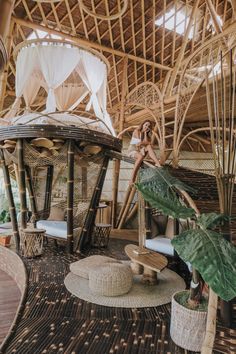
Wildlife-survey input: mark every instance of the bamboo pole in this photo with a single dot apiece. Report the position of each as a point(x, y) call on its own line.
point(126, 207)
point(211, 324)
point(22, 184)
point(70, 195)
point(11, 202)
point(32, 199)
point(115, 188)
point(182, 49)
point(3, 76)
point(124, 204)
point(48, 191)
point(148, 217)
point(141, 220)
point(116, 163)
point(85, 237)
point(84, 173)
point(132, 212)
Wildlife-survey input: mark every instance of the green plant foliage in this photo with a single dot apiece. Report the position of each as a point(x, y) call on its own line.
point(158, 187)
point(211, 220)
point(159, 179)
point(212, 256)
point(167, 203)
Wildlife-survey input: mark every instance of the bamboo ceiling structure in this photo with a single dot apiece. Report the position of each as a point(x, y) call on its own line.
point(137, 49)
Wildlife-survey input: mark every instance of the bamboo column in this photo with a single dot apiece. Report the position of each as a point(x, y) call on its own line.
point(126, 206)
point(85, 237)
point(70, 195)
point(48, 191)
point(141, 220)
point(222, 128)
point(6, 9)
point(32, 199)
point(115, 187)
point(84, 173)
point(11, 202)
point(148, 217)
point(22, 184)
point(3, 76)
point(116, 163)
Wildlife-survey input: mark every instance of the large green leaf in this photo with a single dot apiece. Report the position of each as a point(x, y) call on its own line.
point(212, 256)
point(167, 203)
point(211, 220)
point(160, 178)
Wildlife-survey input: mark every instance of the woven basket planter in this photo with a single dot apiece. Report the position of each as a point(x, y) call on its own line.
point(188, 327)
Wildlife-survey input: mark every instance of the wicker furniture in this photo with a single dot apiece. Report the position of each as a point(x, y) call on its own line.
point(82, 267)
point(146, 262)
point(100, 236)
point(31, 242)
point(113, 279)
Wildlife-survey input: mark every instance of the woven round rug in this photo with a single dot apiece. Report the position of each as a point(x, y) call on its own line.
point(140, 295)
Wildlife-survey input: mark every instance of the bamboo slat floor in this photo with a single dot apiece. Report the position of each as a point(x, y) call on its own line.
point(55, 321)
point(9, 300)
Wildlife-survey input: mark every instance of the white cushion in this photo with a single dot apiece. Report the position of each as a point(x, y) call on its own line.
point(54, 228)
point(84, 266)
point(160, 244)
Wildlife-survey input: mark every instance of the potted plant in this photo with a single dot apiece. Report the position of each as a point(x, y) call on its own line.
point(210, 254)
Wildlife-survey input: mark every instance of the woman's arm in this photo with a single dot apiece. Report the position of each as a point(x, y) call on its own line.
point(126, 130)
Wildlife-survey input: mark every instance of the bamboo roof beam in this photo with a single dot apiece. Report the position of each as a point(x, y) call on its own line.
point(183, 47)
point(233, 4)
point(4, 74)
point(88, 43)
point(134, 41)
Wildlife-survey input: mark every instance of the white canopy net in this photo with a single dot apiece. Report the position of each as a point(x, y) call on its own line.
point(66, 72)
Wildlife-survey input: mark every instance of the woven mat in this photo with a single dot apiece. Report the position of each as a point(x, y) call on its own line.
point(139, 296)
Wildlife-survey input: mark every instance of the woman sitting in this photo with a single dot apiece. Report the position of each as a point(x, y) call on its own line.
point(140, 146)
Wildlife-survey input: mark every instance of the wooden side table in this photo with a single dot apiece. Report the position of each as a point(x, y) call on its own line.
point(31, 242)
point(146, 262)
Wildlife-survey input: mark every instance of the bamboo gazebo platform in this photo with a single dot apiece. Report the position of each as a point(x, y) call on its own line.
point(54, 321)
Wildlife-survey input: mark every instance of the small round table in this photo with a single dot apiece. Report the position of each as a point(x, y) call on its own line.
point(31, 242)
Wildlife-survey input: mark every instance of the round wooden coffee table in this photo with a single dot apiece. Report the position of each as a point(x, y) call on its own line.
point(146, 262)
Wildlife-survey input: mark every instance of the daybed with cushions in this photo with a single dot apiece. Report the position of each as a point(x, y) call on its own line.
point(163, 229)
point(169, 227)
point(56, 225)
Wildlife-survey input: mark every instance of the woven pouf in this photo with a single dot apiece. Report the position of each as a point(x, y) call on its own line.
point(112, 279)
point(84, 266)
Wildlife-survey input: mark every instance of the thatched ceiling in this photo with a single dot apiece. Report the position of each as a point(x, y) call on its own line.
point(152, 50)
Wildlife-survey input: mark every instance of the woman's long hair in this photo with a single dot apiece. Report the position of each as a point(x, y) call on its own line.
point(149, 133)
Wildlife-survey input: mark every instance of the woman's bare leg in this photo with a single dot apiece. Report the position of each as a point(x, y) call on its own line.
point(153, 155)
point(138, 160)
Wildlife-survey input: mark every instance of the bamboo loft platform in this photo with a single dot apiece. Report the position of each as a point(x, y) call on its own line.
point(51, 131)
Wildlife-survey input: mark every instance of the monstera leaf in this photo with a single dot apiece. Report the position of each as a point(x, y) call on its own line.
point(167, 204)
point(211, 220)
point(159, 179)
point(212, 256)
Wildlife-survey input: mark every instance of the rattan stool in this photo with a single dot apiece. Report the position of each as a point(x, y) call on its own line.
point(31, 242)
point(100, 236)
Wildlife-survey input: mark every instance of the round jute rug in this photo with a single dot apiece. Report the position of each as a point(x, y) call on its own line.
point(140, 295)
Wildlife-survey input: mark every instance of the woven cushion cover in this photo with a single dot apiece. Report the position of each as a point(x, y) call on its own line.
point(84, 266)
point(113, 279)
